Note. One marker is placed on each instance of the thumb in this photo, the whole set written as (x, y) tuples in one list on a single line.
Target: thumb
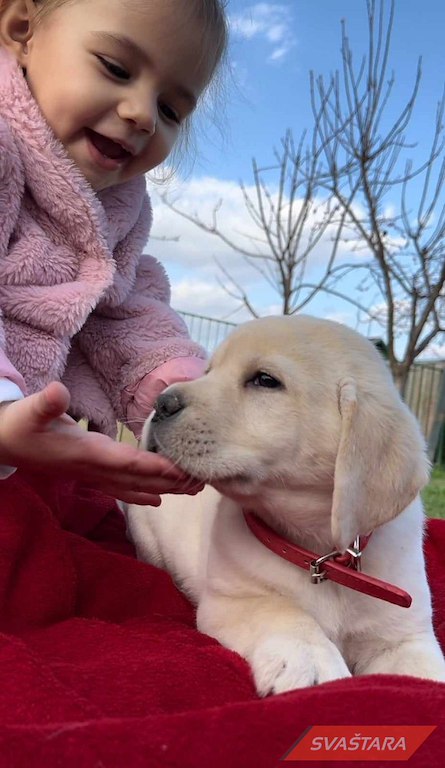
[(50, 403)]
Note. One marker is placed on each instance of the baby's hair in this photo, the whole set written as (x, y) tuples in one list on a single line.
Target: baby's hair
[(44, 6), (214, 47), (210, 12)]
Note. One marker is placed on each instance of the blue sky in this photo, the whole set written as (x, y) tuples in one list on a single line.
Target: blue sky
[(273, 48)]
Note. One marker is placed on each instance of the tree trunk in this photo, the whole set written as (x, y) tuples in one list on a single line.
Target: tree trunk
[(400, 373)]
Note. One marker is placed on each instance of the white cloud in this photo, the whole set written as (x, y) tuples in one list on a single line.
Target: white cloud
[(277, 33), (196, 248), (279, 53), (198, 197), (270, 22), (201, 297), (191, 255), (245, 27), (344, 318)]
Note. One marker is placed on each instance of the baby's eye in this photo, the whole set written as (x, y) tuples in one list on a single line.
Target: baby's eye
[(169, 113), (114, 69)]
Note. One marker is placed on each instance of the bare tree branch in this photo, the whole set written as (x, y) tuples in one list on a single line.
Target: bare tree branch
[(363, 172)]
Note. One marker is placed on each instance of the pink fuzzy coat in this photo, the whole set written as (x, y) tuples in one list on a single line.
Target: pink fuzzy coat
[(78, 301)]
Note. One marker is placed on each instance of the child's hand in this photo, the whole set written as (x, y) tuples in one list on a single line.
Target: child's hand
[(36, 432)]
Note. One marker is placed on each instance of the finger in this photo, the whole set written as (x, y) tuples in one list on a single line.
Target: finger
[(48, 404), (117, 485), (135, 497), (159, 465), (136, 463), (196, 489), (190, 488)]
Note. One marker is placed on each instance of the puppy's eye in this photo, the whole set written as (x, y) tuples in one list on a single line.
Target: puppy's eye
[(262, 379)]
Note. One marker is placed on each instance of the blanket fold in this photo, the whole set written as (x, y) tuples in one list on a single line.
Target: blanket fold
[(101, 664)]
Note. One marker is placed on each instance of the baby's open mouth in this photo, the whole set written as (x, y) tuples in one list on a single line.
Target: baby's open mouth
[(106, 146)]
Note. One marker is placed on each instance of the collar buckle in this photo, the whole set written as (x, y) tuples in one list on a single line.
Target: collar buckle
[(317, 576), (351, 559), (355, 551)]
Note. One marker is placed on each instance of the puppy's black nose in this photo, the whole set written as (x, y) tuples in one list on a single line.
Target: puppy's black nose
[(168, 404)]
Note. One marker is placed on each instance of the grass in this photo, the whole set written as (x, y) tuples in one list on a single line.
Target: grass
[(434, 494)]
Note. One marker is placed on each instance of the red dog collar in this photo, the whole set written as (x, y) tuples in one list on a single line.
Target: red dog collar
[(343, 569)]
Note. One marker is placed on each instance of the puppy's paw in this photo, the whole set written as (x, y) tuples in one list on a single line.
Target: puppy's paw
[(283, 662), (417, 657)]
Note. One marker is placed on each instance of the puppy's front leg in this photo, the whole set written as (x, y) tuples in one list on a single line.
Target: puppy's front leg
[(418, 655), (284, 645)]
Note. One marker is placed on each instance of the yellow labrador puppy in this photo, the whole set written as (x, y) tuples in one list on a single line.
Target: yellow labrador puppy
[(306, 445)]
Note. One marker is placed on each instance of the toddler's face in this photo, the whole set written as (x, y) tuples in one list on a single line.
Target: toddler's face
[(115, 79)]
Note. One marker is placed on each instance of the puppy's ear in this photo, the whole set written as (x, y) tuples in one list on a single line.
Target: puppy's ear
[(381, 463)]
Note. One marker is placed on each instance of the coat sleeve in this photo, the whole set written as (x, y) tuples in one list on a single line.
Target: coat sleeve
[(11, 193), (129, 344)]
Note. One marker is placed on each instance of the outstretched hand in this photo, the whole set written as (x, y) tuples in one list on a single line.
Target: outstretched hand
[(36, 432)]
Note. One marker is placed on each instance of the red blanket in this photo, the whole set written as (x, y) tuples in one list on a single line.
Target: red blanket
[(101, 664)]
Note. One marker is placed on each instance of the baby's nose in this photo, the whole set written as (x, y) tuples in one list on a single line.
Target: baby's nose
[(141, 111)]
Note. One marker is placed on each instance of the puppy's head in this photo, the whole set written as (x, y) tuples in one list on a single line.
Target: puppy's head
[(292, 403)]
